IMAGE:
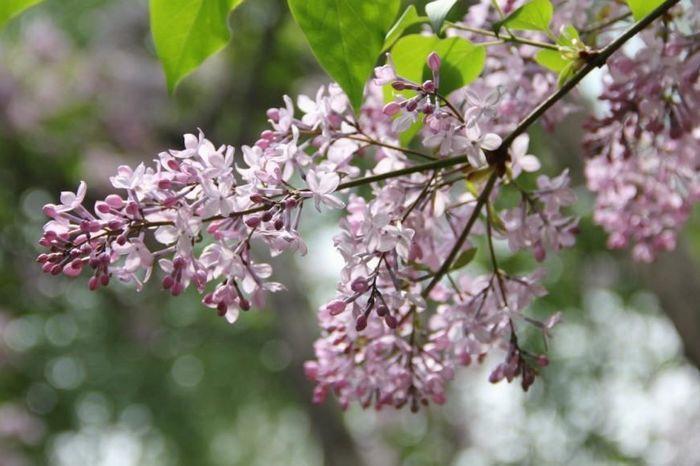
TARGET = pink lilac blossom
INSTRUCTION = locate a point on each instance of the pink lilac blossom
(377, 347)
(645, 153)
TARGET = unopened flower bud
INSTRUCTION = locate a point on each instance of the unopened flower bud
(179, 263)
(93, 283)
(252, 221)
(49, 210)
(257, 198)
(115, 201)
(336, 306)
(244, 304)
(102, 207)
(168, 282)
(359, 285)
(434, 62)
(391, 109)
(361, 323)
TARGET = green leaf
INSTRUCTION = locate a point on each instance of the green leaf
(535, 15)
(346, 36)
(437, 12)
(567, 72)
(462, 61)
(463, 259)
(11, 8)
(187, 32)
(408, 18)
(642, 8)
(569, 37)
(552, 60)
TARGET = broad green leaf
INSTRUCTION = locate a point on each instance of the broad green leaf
(187, 32)
(462, 61)
(11, 8)
(642, 8)
(346, 36)
(463, 259)
(437, 12)
(535, 15)
(408, 18)
(552, 60)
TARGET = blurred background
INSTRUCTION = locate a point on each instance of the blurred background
(119, 378)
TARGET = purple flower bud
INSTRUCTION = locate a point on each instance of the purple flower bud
(391, 321)
(49, 210)
(434, 62)
(102, 207)
(361, 323)
(257, 198)
(528, 378)
(115, 224)
(164, 184)
(168, 282)
(429, 86)
(132, 209)
(359, 285)
(392, 108)
(93, 283)
(114, 200)
(244, 304)
(252, 221)
(497, 374)
(336, 306)
(382, 311)
(177, 288)
(179, 263)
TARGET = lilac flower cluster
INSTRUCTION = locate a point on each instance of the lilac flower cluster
(195, 212)
(197, 191)
(380, 346)
(645, 153)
